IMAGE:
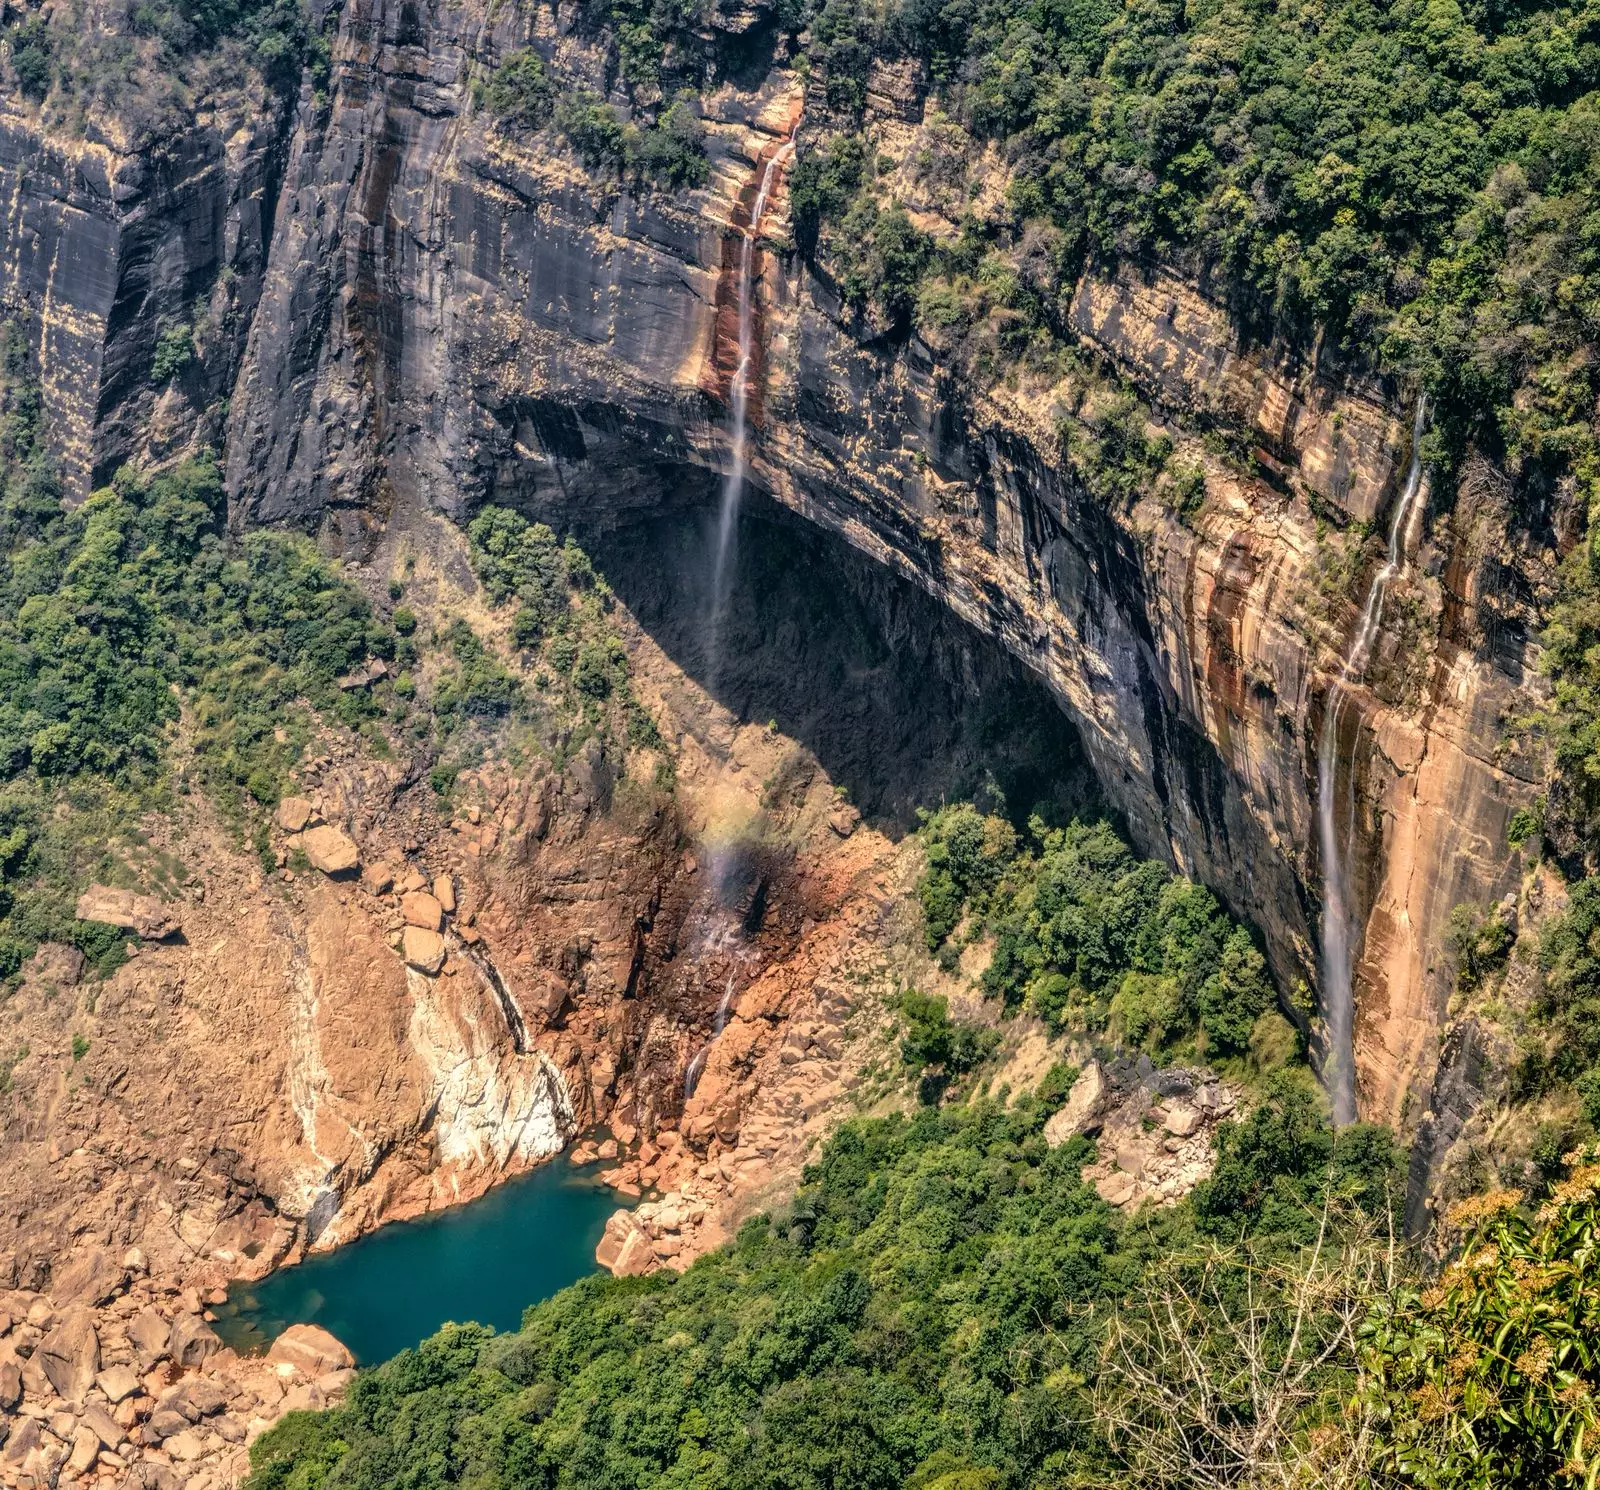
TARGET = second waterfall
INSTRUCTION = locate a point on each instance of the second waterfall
(1338, 992)
(739, 392)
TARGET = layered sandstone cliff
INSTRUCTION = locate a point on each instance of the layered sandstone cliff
(494, 322)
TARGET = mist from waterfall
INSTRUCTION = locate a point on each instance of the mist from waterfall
(1338, 994)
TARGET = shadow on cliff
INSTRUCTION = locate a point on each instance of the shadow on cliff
(902, 704)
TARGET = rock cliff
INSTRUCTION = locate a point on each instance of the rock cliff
(421, 312)
(449, 314)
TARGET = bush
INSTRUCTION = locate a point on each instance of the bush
(174, 352)
(1488, 1376)
(521, 93)
(32, 57)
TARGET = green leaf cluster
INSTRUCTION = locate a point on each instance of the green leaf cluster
(930, 1312)
(1488, 1376)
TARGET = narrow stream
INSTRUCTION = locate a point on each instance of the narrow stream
(484, 1261)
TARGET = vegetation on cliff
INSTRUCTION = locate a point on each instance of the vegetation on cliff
(1416, 183)
(145, 67)
(667, 151)
(1092, 938)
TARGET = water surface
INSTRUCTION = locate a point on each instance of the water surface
(485, 1261)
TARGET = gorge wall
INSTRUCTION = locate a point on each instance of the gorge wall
(425, 314)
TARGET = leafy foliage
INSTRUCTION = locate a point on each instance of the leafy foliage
(563, 617)
(521, 94)
(1488, 1376)
(931, 1312)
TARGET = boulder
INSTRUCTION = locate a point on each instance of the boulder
(422, 909)
(330, 850)
(118, 1382)
(24, 1439)
(85, 1450)
(164, 1422)
(149, 1333)
(294, 814)
(143, 915)
(70, 1354)
(104, 1427)
(311, 1350)
(90, 1278)
(625, 1247)
(1117, 1188)
(444, 891)
(1182, 1120)
(192, 1341)
(186, 1446)
(1083, 1109)
(377, 879)
(204, 1396)
(10, 1385)
(423, 949)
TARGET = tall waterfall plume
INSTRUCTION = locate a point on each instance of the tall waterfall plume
(1338, 995)
(739, 394)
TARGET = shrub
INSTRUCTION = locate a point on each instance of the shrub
(521, 93)
(174, 351)
(1488, 1376)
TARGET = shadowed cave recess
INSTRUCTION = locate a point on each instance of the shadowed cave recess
(903, 705)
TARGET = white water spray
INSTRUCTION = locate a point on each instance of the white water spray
(1338, 996)
(739, 392)
(691, 1077)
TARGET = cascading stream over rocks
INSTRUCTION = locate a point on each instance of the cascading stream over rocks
(1338, 995)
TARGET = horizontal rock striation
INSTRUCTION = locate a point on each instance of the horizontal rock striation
(451, 315)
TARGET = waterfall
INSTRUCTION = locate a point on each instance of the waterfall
(1338, 994)
(691, 1077)
(739, 394)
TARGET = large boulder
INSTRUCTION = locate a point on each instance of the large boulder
(625, 1248)
(69, 1355)
(311, 1350)
(89, 1278)
(1083, 1109)
(294, 814)
(422, 909)
(330, 850)
(149, 1333)
(143, 915)
(192, 1341)
(423, 949)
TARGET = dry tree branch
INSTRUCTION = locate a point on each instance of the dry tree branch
(1237, 1369)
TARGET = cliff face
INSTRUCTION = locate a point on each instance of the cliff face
(103, 244)
(445, 314)
(450, 315)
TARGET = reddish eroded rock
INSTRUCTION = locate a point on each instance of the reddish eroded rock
(143, 915)
(423, 949)
(69, 1355)
(625, 1248)
(330, 850)
(422, 910)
